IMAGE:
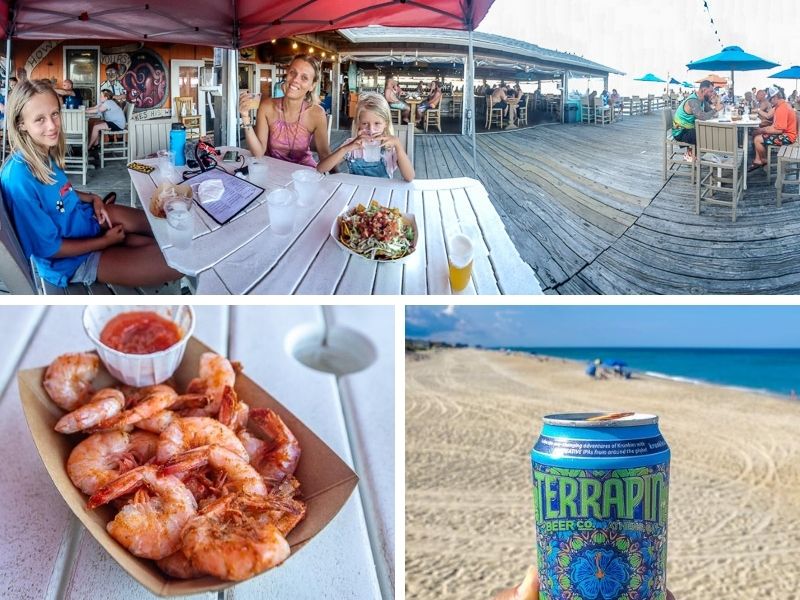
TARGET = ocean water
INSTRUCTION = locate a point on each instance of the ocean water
(776, 371)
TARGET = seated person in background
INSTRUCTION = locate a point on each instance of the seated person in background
(517, 91)
(604, 97)
(749, 101)
(432, 101)
(614, 99)
(372, 123)
(69, 96)
(421, 90)
(393, 95)
(498, 99)
(72, 237)
(691, 109)
(782, 132)
(764, 108)
(112, 117)
(794, 99)
(285, 126)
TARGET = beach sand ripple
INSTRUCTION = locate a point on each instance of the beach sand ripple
(472, 417)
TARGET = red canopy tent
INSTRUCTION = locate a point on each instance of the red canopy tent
(233, 24)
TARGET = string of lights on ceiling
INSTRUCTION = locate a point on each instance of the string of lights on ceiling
(311, 50)
(714, 26)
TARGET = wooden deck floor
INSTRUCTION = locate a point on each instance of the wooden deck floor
(587, 209)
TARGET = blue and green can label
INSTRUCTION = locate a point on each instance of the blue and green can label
(600, 496)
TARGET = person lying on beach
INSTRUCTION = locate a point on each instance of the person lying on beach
(689, 111)
(529, 589)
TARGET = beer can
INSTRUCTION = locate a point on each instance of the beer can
(600, 495)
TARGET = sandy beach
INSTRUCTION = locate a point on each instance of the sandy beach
(472, 417)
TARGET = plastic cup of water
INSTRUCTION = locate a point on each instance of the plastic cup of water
(372, 151)
(180, 221)
(259, 172)
(166, 162)
(306, 183)
(281, 208)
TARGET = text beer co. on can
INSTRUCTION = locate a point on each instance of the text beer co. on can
(600, 488)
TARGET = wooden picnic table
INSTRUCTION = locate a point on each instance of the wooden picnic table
(244, 256)
(47, 554)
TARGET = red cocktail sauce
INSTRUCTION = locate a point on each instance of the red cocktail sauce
(140, 332)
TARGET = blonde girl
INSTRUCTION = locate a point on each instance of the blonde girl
(372, 124)
(284, 127)
(71, 236)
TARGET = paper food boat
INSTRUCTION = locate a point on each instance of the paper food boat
(326, 481)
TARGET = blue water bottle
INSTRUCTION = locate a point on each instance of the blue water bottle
(177, 143)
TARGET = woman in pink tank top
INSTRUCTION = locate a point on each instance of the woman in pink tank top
(285, 126)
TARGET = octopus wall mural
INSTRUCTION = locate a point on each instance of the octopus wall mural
(145, 80)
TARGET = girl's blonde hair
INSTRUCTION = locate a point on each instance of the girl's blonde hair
(377, 104)
(37, 161)
(311, 96)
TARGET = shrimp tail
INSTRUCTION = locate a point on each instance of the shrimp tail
(186, 461)
(122, 485)
(277, 460)
(227, 407)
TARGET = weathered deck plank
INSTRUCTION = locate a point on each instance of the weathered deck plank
(587, 209)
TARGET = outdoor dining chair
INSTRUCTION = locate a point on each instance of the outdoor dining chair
(773, 150)
(674, 152)
(602, 112)
(145, 138)
(718, 151)
(73, 122)
(788, 171)
(587, 111)
(114, 144)
(494, 116)
(186, 114)
(522, 111)
(433, 116)
(397, 116)
(457, 104)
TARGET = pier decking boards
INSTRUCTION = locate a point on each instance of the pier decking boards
(586, 207)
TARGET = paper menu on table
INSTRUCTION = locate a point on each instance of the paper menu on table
(238, 194)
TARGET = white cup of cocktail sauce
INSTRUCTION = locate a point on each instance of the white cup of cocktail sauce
(140, 369)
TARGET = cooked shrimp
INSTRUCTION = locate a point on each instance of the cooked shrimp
(239, 475)
(150, 525)
(225, 542)
(186, 405)
(214, 374)
(191, 432)
(276, 459)
(103, 405)
(102, 457)
(279, 506)
(233, 412)
(69, 377)
(178, 566)
(160, 397)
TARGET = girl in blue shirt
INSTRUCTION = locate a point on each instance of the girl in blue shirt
(71, 236)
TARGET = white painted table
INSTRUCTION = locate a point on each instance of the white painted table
(745, 123)
(245, 257)
(46, 553)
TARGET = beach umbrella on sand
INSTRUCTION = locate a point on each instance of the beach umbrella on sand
(732, 58)
(790, 73)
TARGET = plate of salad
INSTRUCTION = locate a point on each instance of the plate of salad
(376, 232)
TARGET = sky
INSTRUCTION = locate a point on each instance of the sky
(658, 36)
(608, 326)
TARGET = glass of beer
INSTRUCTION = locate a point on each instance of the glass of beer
(459, 257)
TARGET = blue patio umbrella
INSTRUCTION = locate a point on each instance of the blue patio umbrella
(650, 77)
(732, 58)
(673, 81)
(790, 73)
(686, 84)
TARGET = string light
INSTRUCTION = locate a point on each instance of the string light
(311, 51)
(273, 41)
(713, 25)
(294, 46)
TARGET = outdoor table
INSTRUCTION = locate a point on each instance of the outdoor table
(244, 256)
(413, 103)
(746, 123)
(512, 112)
(48, 554)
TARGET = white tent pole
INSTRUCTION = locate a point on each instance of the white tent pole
(5, 93)
(469, 92)
(231, 110)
